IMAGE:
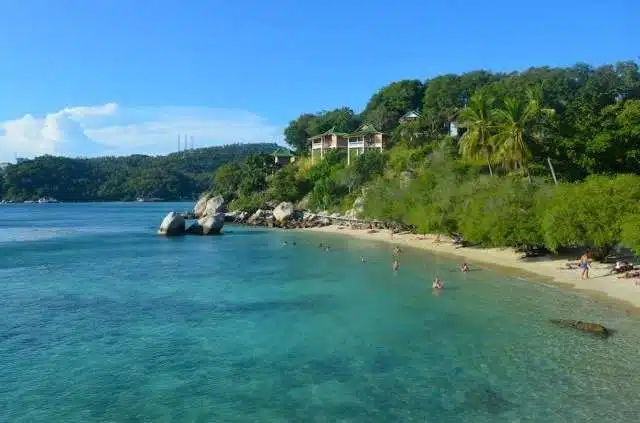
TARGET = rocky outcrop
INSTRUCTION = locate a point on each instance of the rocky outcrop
(208, 225)
(201, 204)
(283, 212)
(172, 225)
(209, 206)
(593, 328)
(214, 206)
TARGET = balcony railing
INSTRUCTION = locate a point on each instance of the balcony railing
(365, 144)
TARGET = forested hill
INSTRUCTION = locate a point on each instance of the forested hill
(547, 157)
(175, 176)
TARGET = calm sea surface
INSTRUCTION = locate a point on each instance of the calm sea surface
(101, 320)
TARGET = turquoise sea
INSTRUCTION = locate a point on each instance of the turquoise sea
(101, 320)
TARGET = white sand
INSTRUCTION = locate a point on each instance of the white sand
(601, 284)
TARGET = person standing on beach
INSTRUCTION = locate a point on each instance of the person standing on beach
(585, 265)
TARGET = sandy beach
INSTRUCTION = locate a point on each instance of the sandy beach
(601, 285)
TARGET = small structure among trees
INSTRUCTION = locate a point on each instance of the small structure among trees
(283, 156)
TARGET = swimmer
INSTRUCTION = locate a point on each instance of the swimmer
(363, 259)
(437, 284)
(395, 266)
(464, 268)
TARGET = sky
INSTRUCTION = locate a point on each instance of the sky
(116, 77)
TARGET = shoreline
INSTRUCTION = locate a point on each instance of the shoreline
(601, 286)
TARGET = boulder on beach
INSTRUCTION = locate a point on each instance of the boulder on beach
(594, 328)
(173, 224)
(208, 225)
(283, 212)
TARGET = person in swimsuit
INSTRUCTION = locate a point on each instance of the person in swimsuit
(437, 284)
(584, 265)
(395, 266)
(464, 268)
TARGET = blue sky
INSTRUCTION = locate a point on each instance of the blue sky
(124, 76)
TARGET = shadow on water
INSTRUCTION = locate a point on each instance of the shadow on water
(485, 399)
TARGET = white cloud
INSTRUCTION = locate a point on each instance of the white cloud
(110, 129)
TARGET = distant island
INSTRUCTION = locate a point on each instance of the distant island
(177, 176)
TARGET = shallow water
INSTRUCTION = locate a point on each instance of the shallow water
(103, 321)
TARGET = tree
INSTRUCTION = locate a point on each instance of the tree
(369, 165)
(226, 180)
(341, 120)
(518, 123)
(296, 134)
(477, 141)
(286, 185)
(387, 106)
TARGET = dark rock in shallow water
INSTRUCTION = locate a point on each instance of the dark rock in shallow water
(209, 225)
(594, 328)
(172, 225)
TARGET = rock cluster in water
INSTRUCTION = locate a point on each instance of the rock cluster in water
(208, 214)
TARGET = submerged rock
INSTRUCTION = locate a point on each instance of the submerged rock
(172, 225)
(594, 328)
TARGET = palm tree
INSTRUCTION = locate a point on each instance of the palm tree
(477, 118)
(518, 124)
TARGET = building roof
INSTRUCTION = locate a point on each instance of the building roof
(365, 129)
(331, 131)
(411, 114)
(282, 152)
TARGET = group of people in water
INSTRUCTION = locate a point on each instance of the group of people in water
(437, 283)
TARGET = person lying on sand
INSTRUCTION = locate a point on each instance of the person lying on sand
(622, 266)
(568, 266)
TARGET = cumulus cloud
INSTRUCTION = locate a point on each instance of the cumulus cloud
(111, 129)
